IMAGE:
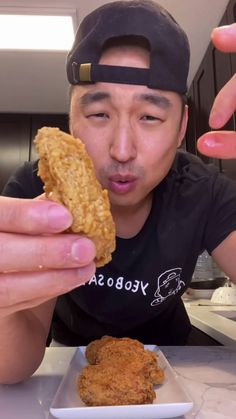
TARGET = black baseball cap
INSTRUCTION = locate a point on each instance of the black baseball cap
(168, 45)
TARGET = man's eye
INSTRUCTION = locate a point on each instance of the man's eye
(150, 118)
(98, 115)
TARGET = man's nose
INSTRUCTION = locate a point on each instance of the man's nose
(123, 143)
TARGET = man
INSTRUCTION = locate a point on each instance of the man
(128, 109)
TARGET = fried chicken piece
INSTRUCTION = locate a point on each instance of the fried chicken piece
(69, 178)
(131, 357)
(122, 372)
(94, 347)
(103, 385)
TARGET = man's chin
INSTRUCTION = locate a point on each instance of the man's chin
(127, 201)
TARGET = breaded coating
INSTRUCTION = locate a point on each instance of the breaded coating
(100, 385)
(133, 357)
(121, 372)
(94, 347)
(69, 178)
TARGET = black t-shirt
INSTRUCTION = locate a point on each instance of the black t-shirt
(138, 294)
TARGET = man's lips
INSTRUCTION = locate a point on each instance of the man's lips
(122, 178)
(122, 184)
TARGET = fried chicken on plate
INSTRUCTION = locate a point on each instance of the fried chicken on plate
(101, 385)
(121, 372)
(93, 349)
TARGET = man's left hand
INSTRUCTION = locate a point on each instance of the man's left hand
(222, 144)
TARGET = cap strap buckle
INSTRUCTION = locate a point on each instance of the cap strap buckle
(85, 72)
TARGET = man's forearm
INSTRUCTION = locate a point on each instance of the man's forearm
(22, 346)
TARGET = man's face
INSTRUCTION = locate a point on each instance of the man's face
(131, 132)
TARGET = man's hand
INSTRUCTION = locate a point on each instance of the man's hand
(37, 263)
(222, 144)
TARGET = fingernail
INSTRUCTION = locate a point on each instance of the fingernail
(58, 217)
(83, 251)
(211, 142)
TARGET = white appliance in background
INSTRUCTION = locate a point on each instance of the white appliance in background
(225, 295)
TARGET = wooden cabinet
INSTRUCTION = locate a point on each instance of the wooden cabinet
(191, 136)
(16, 139)
(14, 144)
(215, 70)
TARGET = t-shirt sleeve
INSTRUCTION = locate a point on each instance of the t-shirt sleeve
(24, 182)
(222, 212)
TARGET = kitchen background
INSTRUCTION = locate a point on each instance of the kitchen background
(34, 89)
(34, 93)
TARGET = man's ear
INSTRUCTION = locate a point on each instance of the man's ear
(183, 126)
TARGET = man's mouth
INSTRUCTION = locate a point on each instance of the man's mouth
(122, 184)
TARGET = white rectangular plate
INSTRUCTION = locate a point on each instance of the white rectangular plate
(171, 401)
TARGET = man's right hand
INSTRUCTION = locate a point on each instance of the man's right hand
(37, 263)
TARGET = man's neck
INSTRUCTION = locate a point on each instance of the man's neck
(129, 221)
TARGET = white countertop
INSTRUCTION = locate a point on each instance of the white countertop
(208, 374)
(213, 319)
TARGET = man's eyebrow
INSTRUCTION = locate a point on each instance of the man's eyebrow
(91, 97)
(155, 99)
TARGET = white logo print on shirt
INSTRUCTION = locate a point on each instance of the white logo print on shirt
(168, 283)
(119, 283)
